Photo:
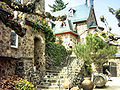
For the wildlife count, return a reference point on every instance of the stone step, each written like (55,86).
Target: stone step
(42,87)
(51,82)
(65,69)
(60,76)
(54,78)
(50,87)
(63,72)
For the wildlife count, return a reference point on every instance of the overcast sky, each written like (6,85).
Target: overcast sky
(100,7)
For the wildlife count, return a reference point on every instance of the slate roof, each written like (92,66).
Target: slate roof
(81,13)
(59,29)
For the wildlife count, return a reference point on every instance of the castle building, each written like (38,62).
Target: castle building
(80,21)
(22,56)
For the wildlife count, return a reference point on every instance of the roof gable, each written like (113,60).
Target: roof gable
(81,14)
(92,12)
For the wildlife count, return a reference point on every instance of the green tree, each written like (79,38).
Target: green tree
(95,50)
(59,5)
(30,9)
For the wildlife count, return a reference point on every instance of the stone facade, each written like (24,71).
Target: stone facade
(68,37)
(117,66)
(25,55)
(91,17)
(81,29)
(27,60)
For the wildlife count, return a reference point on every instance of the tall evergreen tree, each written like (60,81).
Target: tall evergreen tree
(59,5)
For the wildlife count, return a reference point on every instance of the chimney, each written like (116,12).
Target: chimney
(89,3)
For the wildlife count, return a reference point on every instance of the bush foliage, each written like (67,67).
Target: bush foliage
(95,50)
(24,85)
(56,51)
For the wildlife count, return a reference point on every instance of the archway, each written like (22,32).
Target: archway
(37,51)
(112,68)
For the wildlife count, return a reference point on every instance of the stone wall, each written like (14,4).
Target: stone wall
(117,61)
(24,54)
(91,17)
(97,68)
(69,36)
(81,29)
(29,54)
(7,67)
(25,44)
(116,70)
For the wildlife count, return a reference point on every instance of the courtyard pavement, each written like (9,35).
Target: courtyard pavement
(111,85)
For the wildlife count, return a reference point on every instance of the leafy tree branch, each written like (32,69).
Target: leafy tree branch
(59,5)
(116,13)
(30,9)
(6,15)
(95,50)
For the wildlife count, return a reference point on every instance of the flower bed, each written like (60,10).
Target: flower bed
(15,83)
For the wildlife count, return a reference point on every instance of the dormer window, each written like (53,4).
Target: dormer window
(63,24)
(71,12)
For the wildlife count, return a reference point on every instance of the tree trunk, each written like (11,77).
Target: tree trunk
(97,67)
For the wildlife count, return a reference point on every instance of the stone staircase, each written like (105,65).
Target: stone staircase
(54,78)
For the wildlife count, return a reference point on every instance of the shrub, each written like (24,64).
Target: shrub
(56,52)
(24,85)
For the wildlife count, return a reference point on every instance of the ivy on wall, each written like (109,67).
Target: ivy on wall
(42,25)
(56,51)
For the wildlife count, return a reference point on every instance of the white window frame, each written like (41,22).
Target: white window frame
(16,44)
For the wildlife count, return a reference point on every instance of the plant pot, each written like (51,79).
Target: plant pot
(87,84)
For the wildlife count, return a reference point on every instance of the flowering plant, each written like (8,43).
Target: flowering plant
(24,85)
